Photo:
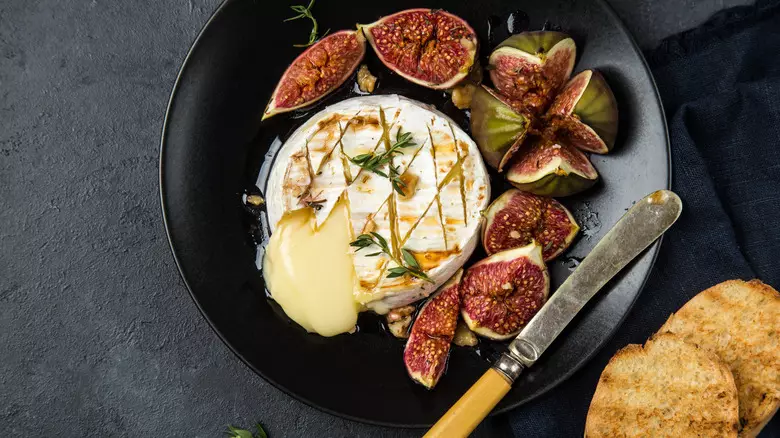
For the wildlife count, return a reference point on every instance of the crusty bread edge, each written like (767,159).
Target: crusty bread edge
(637,348)
(770,292)
(757,286)
(752,433)
(634,348)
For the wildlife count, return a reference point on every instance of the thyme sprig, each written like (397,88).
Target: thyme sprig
(408,265)
(305,12)
(373,162)
(234,432)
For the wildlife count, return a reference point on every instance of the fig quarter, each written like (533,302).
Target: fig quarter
(585,113)
(317,72)
(428,347)
(497,128)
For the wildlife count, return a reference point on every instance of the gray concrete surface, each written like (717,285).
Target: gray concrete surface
(98,336)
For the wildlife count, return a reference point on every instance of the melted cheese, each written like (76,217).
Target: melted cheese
(316,295)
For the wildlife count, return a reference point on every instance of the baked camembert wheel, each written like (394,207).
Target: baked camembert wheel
(325,192)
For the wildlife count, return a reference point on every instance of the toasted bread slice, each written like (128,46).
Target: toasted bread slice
(740,322)
(668,388)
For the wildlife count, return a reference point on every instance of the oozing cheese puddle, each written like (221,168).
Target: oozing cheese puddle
(310,273)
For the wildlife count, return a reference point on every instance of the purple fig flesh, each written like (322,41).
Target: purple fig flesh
(549,168)
(501,293)
(585,114)
(429,47)
(428,347)
(532,66)
(318,71)
(517,218)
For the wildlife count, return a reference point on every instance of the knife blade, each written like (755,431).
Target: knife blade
(642,225)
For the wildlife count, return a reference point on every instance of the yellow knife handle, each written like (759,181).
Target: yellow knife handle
(472,407)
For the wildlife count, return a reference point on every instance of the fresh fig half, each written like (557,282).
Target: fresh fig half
(585,113)
(497,128)
(501,293)
(318,71)
(532,66)
(517,218)
(550,168)
(429,47)
(429,342)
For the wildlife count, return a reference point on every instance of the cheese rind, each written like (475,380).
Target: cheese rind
(438,217)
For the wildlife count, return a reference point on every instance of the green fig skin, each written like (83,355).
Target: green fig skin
(586,113)
(497,129)
(531,42)
(598,109)
(556,186)
(547,168)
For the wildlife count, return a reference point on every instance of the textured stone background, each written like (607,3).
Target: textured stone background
(98,336)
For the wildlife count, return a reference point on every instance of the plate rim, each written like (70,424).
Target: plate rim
(655,248)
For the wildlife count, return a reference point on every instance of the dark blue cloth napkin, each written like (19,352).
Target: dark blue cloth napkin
(720,84)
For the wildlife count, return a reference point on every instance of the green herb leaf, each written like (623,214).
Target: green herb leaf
(305,12)
(419,274)
(380,173)
(398,189)
(409,259)
(380,239)
(407,265)
(372,162)
(398,270)
(362,158)
(363,241)
(234,432)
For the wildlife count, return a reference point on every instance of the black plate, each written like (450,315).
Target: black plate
(213,145)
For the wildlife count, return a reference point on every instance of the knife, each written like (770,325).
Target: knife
(645,222)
